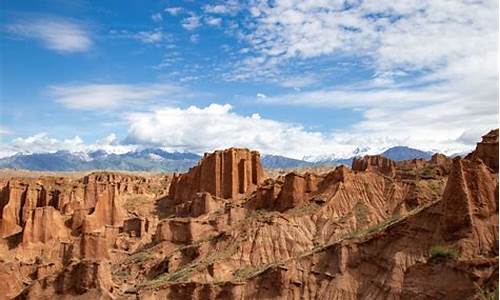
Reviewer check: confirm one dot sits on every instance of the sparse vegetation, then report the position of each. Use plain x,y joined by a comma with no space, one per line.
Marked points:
440,251
246,271
132,203
487,294
361,212
303,209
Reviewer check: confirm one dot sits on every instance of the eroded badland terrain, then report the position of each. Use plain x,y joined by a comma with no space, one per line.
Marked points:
379,230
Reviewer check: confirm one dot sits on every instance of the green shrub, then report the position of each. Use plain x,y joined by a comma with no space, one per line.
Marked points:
440,251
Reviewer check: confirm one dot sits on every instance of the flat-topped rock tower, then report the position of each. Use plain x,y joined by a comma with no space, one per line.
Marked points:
224,173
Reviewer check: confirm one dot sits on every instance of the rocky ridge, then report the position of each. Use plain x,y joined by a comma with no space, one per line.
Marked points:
419,229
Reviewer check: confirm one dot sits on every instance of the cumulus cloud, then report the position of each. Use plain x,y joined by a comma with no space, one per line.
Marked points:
58,34
217,126
230,7
212,21
110,96
43,143
192,22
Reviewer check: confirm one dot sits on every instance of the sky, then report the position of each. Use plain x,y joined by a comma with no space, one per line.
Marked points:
302,79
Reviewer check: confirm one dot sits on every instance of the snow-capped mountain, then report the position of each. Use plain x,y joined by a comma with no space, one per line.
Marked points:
153,159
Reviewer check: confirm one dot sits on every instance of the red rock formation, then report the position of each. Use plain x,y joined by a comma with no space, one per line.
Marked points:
470,204
44,224
94,245
487,150
344,234
375,163
108,209
225,174
11,217
296,189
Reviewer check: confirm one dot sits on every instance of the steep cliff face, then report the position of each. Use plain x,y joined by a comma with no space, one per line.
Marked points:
225,174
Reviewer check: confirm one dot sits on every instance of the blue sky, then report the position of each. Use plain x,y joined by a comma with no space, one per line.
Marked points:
297,78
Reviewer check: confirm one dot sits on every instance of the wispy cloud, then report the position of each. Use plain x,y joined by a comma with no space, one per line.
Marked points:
157,17
154,36
434,63
55,33
112,96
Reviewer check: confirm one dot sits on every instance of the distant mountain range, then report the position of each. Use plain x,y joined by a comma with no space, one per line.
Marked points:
163,161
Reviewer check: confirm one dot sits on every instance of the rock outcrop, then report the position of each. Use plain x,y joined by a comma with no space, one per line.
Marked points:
417,229
376,163
108,209
487,150
226,174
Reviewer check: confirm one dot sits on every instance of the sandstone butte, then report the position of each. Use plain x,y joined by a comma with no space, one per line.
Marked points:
224,230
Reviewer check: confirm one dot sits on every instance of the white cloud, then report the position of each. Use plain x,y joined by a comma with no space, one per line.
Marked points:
154,36
60,35
43,143
212,21
425,118
230,7
434,64
150,37
192,22
216,126
261,96
174,11
110,96
157,17
413,36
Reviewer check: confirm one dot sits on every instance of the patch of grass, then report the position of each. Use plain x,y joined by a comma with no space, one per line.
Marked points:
139,257
440,251
427,172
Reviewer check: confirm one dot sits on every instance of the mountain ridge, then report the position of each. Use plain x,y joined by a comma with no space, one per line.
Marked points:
156,159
